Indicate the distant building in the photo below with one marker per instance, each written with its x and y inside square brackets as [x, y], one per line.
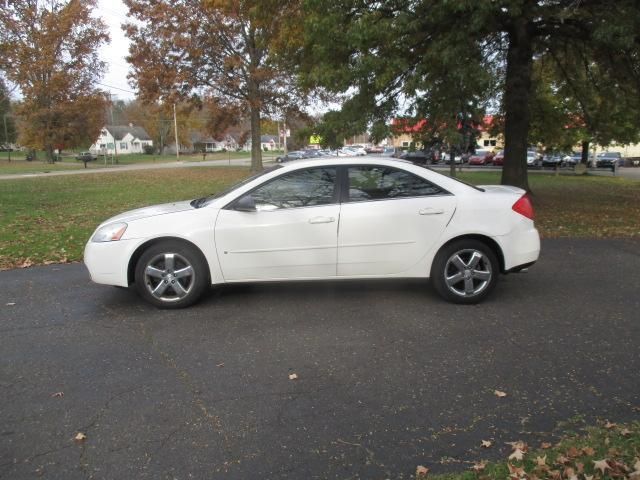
[121, 140]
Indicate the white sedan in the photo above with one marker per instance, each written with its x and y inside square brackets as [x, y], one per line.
[327, 219]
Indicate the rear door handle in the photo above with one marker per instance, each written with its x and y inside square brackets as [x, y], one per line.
[322, 220]
[431, 211]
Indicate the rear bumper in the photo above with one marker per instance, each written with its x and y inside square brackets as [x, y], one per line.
[520, 248]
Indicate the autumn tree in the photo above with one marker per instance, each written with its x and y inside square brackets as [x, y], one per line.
[390, 56]
[50, 51]
[7, 135]
[222, 49]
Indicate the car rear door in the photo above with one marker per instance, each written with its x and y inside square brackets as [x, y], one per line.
[389, 220]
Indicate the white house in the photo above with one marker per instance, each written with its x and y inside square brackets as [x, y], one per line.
[121, 140]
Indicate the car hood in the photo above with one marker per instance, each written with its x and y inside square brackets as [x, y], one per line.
[151, 211]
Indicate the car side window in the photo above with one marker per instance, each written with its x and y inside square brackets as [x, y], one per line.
[383, 183]
[305, 188]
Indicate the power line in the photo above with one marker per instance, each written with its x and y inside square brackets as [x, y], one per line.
[115, 88]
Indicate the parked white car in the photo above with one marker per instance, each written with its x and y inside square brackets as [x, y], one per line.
[332, 218]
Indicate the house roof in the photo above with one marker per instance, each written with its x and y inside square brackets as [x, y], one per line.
[268, 138]
[120, 131]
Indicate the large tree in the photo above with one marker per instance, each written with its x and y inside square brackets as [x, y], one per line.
[392, 55]
[183, 49]
[49, 49]
[8, 134]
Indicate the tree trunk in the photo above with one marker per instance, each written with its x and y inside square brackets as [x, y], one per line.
[585, 152]
[516, 103]
[256, 147]
[452, 157]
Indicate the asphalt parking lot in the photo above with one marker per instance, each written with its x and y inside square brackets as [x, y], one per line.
[388, 375]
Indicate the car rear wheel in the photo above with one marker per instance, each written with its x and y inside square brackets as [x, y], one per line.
[465, 271]
[171, 274]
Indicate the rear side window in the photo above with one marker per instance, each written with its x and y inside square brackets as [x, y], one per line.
[383, 183]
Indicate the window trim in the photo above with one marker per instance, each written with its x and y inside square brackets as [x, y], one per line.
[344, 199]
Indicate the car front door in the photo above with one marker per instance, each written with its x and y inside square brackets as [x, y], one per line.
[284, 229]
[389, 221]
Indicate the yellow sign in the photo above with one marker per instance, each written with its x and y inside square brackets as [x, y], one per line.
[315, 140]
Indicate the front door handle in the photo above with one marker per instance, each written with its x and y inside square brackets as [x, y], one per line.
[322, 220]
[431, 211]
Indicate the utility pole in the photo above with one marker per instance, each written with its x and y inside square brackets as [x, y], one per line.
[175, 125]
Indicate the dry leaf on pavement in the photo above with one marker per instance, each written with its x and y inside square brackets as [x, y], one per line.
[293, 376]
[80, 437]
[499, 393]
[57, 394]
[421, 471]
[486, 443]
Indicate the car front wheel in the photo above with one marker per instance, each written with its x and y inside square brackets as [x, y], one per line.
[465, 271]
[171, 274]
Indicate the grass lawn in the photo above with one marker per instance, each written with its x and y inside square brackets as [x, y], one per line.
[608, 451]
[50, 219]
[19, 165]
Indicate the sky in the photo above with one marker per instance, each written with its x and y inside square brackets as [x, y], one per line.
[114, 14]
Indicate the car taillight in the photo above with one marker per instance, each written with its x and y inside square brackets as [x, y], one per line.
[524, 207]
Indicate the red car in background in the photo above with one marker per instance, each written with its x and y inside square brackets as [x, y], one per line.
[498, 159]
[481, 157]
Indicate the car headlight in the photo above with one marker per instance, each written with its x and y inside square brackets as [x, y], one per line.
[109, 233]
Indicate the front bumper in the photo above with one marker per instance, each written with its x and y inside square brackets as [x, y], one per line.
[108, 262]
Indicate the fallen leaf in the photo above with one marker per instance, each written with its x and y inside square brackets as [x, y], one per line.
[499, 394]
[637, 465]
[601, 465]
[26, 264]
[517, 454]
[580, 467]
[570, 473]
[555, 474]
[421, 471]
[518, 445]
[588, 451]
[486, 443]
[545, 445]
[588, 477]
[625, 432]
[479, 466]
[57, 394]
[80, 437]
[293, 376]
[10, 304]
[573, 452]
[561, 460]
[541, 461]
[609, 425]
[516, 472]
[220, 365]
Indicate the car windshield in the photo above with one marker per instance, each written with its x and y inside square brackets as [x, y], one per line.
[203, 201]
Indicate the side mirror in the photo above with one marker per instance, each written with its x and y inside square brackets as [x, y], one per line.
[245, 204]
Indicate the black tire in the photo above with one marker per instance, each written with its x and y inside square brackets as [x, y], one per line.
[465, 271]
[171, 274]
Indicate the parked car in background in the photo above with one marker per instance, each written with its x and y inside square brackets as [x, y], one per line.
[446, 158]
[374, 149]
[290, 156]
[357, 150]
[86, 157]
[327, 219]
[498, 158]
[532, 158]
[553, 159]
[572, 159]
[481, 157]
[609, 160]
[419, 156]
